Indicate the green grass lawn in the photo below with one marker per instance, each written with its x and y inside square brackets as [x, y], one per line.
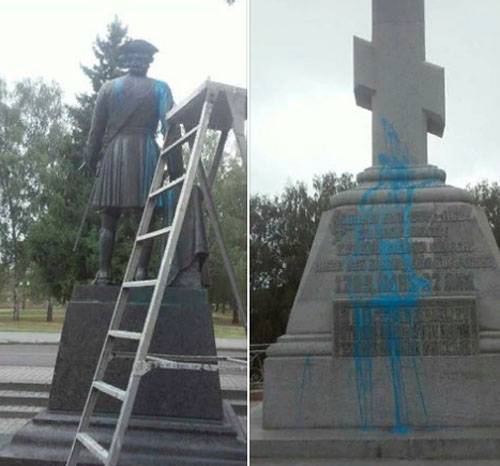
[34, 320]
[224, 328]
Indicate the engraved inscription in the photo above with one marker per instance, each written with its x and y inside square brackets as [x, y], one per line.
[370, 248]
[401, 282]
[433, 327]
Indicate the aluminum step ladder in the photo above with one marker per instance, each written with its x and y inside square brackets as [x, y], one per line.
[212, 106]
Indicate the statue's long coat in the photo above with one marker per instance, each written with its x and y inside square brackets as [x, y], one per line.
[125, 121]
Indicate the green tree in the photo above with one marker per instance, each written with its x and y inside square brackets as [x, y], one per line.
[487, 195]
[51, 239]
[106, 67]
[32, 126]
[229, 193]
[282, 230]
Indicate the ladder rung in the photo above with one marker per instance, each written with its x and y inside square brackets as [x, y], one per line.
[93, 446]
[110, 390]
[139, 283]
[125, 335]
[190, 366]
[167, 186]
[153, 234]
[179, 141]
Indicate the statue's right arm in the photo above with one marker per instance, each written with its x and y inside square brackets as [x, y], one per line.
[97, 128]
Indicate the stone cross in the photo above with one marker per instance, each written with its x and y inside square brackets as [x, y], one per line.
[393, 80]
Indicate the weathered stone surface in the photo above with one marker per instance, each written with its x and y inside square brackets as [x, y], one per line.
[325, 392]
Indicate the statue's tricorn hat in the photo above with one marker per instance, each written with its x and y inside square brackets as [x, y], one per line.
[138, 46]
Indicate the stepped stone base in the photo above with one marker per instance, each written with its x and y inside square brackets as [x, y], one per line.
[446, 444]
[47, 439]
[179, 418]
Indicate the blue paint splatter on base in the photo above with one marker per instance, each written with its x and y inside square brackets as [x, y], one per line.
[391, 305]
[305, 382]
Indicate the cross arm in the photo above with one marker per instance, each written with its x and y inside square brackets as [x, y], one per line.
[434, 98]
[364, 72]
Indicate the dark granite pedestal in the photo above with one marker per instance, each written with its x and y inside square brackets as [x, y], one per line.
[178, 418]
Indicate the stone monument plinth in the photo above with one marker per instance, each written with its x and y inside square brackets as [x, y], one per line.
[392, 345]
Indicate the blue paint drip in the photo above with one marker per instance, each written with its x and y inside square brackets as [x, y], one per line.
[164, 102]
[150, 162]
[119, 89]
[396, 307]
[305, 381]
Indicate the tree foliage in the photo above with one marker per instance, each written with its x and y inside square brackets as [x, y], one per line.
[282, 230]
[229, 193]
[487, 195]
[52, 238]
[32, 130]
[107, 66]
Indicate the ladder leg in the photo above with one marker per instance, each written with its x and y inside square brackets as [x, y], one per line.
[123, 420]
[212, 214]
[90, 402]
[219, 152]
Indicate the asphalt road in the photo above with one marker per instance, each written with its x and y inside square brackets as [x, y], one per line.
[28, 355]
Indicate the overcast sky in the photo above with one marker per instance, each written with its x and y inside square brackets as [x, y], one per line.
[196, 38]
[304, 120]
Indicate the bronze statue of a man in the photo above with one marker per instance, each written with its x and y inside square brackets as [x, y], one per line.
[127, 114]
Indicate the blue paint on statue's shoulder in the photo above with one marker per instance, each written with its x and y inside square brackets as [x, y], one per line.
[162, 86]
[164, 100]
[118, 86]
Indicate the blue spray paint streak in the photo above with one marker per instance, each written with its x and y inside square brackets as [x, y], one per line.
[163, 102]
[119, 89]
[397, 307]
[150, 161]
[305, 382]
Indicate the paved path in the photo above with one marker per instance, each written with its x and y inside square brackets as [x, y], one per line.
[30, 338]
[25, 374]
[231, 377]
[28, 355]
[47, 338]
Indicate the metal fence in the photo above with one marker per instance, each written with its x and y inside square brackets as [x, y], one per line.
[257, 357]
